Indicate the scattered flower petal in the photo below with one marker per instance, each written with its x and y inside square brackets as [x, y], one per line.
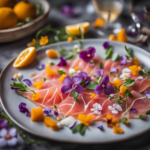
[13, 79]
[55, 113]
[85, 77]
[99, 72]
[123, 60]
[114, 70]
[28, 82]
[62, 62]
[23, 109]
[44, 40]
[41, 67]
[100, 127]
[106, 45]
[3, 123]
[47, 111]
[115, 108]
[72, 125]
[133, 110]
[97, 108]
[147, 94]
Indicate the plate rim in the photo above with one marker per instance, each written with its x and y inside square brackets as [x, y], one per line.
[61, 140]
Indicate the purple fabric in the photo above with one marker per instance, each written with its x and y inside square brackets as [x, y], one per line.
[85, 77]
[23, 109]
[41, 67]
[28, 82]
[62, 62]
[114, 70]
[106, 45]
[123, 60]
[99, 72]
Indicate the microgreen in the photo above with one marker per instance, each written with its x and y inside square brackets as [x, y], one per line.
[82, 34]
[39, 8]
[141, 72]
[140, 116]
[128, 50]
[70, 56]
[148, 112]
[129, 82]
[51, 63]
[127, 93]
[75, 96]
[115, 56]
[108, 53]
[92, 85]
[119, 100]
[116, 88]
[82, 82]
[61, 72]
[100, 65]
[81, 128]
[44, 79]
[55, 106]
[123, 120]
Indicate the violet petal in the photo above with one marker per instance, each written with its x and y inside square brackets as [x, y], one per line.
[72, 125]
[23, 109]
[67, 81]
[3, 132]
[109, 90]
[62, 62]
[76, 80]
[99, 72]
[55, 113]
[133, 110]
[3, 124]
[79, 88]
[13, 79]
[147, 94]
[41, 67]
[12, 132]
[106, 45]
[105, 80]
[100, 127]
[28, 82]
[123, 60]
[68, 11]
[114, 70]
[47, 111]
[99, 89]
[12, 142]
[66, 89]
[14, 88]
[3, 142]
[85, 77]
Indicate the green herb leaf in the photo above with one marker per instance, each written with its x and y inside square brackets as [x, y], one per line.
[82, 129]
[75, 96]
[123, 120]
[100, 65]
[51, 63]
[82, 34]
[141, 72]
[116, 88]
[108, 53]
[148, 112]
[129, 82]
[44, 79]
[128, 93]
[55, 106]
[92, 85]
[20, 24]
[115, 56]
[140, 116]
[61, 72]
[91, 62]
[82, 82]
[70, 56]
[128, 50]
[39, 8]
[76, 128]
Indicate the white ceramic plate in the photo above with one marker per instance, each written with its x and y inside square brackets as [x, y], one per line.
[11, 100]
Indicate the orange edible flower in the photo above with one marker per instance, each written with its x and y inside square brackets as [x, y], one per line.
[43, 40]
[123, 89]
[37, 114]
[35, 96]
[15, 75]
[112, 37]
[117, 82]
[63, 76]
[50, 123]
[76, 68]
[85, 119]
[38, 85]
[58, 118]
[51, 53]
[32, 43]
[135, 61]
[115, 121]
[49, 71]
[134, 69]
[92, 95]
[98, 23]
[121, 36]
[109, 120]
[69, 39]
[117, 129]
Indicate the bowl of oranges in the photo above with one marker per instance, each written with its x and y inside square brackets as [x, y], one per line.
[20, 19]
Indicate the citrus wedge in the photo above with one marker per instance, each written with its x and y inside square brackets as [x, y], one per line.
[74, 29]
[25, 58]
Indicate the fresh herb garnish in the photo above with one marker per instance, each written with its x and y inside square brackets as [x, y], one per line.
[44, 79]
[91, 62]
[129, 82]
[108, 53]
[51, 63]
[82, 33]
[100, 65]
[141, 72]
[92, 85]
[115, 56]
[148, 112]
[116, 88]
[123, 120]
[55, 106]
[70, 56]
[75, 96]
[119, 100]
[128, 50]
[81, 128]
[61, 72]
[140, 116]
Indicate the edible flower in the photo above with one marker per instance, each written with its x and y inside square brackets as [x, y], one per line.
[134, 69]
[68, 11]
[85, 119]
[140, 77]
[13, 79]
[135, 61]
[133, 110]
[41, 67]
[117, 82]
[109, 120]
[51, 53]
[84, 77]
[19, 76]
[32, 43]
[14, 88]
[88, 54]
[23, 109]
[104, 87]
[77, 48]
[72, 125]
[63, 76]
[47, 111]
[125, 73]
[3, 123]
[147, 94]
[62, 62]
[117, 129]
[98, 23]
[72, 84]
[92, 95]
[115, 108]
[38, 85]
[8, 137]
[44, 40]
[106, 45]
[99, 73]
[37, 114]
[100, 127]
[15, 75]
[55, 113]
[35, 96]
[76, 68]
[114, 70]
[50, 123]
[97, 108]
[123, 89]
[49, 71]
[69, 39]
[28, 82]
[58, 118]
[74, 71]
[123, 60]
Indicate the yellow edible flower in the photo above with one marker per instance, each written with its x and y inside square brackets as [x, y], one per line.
[50, 123]
[43, 40]
[38, 85]
[76, 68]
[98, 23]
[117, 129]
[117, 82]
[49, 71]
[135, 61]
[123, 89]
[63, 76]
[15, 75]
[92, 95]
[69, 39]
[134, 69]
[85, 119]
[35, 96]
[32, 43]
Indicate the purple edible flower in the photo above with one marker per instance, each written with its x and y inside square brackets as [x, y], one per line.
[72, 84]
[123, 60]
[88, 54]
[99, 72]
[13, 79]
[100, 127]
[41, 67]
[106, 45]
[14, 88]
[23, 109]
[133, 110]
[47, 111]
[3, 124]
[147, 94]
[68, 11]
[72, 125]
[104, 87]
[8, 137]
[55, 113]
[85, 77]
[28, 82]
[62, 62]
[114, 70]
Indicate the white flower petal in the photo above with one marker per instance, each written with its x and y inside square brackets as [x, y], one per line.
[3, 132]
[111, 108]
[99, 106]
[140, 77]
[76, 46]
[12, 141]
[97, 112]
[71, 71]
[78, 71]
[118, 107]
[115, 112]
[92, 109]
[126, 70]
[12, 132]
[111, 95]
[3, 142]
[95, 105]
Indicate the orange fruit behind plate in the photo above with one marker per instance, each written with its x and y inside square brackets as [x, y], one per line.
[25, 58]
[7, 3]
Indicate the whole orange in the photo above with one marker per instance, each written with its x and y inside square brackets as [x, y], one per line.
[24, 10]
[7, 3]
[7, 18]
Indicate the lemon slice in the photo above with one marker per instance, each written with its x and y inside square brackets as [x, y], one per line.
[74, 29]
[25, 58]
